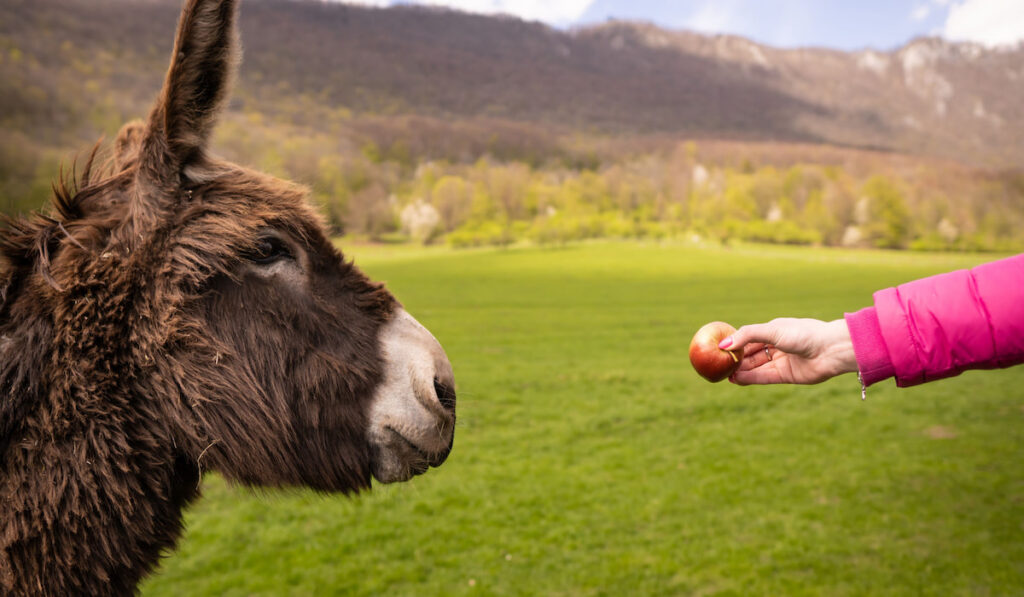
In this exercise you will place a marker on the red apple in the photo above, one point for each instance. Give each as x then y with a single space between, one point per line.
713 363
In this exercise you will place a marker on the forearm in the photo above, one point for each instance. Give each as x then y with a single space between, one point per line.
940 326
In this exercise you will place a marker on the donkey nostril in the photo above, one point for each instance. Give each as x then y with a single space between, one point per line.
445 394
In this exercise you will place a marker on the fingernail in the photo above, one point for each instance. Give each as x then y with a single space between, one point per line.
725 343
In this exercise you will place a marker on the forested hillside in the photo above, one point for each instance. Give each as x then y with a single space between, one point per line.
431 124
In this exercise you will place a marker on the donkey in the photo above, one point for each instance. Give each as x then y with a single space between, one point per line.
177 314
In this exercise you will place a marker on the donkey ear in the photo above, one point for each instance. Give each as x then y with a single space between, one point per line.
198 81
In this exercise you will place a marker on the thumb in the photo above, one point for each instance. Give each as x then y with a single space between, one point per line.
765 333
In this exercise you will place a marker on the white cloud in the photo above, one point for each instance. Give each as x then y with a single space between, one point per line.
714 17
921 12
990 22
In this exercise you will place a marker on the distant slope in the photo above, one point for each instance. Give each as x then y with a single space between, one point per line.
955 100
61 57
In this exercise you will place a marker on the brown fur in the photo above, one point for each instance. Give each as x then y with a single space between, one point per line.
141 344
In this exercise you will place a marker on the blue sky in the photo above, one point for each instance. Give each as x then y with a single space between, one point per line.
843 24
846 24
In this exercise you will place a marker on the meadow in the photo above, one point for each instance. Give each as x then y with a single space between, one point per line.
591 460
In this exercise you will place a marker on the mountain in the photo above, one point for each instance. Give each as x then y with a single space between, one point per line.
61 61
932 97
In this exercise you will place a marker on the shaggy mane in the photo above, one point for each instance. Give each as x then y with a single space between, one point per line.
30 240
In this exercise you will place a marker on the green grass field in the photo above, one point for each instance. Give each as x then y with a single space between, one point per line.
591 460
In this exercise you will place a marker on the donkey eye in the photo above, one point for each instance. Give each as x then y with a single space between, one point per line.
268 250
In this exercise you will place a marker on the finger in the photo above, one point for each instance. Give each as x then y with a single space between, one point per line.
767 374
755 358
753 348
766 333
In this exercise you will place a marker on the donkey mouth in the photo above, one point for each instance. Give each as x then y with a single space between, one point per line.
412 412
399 458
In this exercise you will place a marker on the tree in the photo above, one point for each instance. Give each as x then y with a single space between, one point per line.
889 225
371 212
453 198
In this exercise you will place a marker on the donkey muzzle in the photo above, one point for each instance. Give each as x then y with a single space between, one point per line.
412 413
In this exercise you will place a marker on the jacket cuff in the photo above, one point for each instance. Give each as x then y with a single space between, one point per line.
869 346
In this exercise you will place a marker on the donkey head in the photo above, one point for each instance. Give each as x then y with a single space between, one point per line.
255 347
295 367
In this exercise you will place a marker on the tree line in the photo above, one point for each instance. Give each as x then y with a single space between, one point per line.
685 189
384 180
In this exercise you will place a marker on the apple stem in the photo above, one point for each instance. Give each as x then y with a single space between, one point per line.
735 358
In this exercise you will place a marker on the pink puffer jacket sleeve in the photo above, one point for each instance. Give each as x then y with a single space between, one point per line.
943 325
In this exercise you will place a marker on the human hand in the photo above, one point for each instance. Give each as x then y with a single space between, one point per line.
802 351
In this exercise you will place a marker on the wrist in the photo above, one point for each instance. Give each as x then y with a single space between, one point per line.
840 347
